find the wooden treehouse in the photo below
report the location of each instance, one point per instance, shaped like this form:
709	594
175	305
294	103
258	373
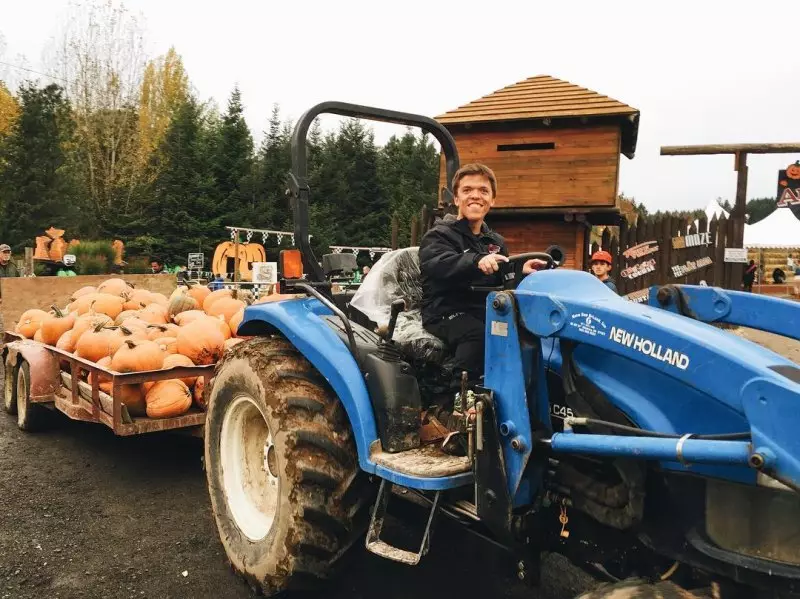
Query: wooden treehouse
555	148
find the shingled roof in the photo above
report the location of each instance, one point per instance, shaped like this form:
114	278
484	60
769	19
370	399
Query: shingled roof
545	97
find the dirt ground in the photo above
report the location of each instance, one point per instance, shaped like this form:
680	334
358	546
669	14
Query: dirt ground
781	345
86	514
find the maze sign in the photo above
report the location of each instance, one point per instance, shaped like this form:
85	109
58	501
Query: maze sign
789	186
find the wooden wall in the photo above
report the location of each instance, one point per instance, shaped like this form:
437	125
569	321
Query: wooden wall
581	170
537	235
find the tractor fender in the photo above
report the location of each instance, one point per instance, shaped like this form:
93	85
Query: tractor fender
299	320
44	368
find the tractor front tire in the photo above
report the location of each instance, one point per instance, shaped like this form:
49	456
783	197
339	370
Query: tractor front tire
286	490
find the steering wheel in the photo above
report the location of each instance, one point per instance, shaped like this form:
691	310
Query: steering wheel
551	263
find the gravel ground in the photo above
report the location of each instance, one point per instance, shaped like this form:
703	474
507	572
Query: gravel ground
86	514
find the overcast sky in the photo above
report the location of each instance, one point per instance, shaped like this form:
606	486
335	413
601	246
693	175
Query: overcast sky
700	72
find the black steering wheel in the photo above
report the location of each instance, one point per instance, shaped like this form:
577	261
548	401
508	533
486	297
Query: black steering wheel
544	256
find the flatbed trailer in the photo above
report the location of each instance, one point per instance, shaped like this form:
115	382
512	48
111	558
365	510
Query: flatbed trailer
39	376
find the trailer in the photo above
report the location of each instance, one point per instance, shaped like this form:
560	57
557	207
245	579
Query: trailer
39	377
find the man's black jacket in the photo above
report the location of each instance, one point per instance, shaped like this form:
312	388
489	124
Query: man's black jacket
448	257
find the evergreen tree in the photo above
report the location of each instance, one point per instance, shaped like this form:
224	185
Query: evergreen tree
233	164
38	185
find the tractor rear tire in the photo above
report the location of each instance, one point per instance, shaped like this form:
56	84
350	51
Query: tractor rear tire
637	589
286	490
10	388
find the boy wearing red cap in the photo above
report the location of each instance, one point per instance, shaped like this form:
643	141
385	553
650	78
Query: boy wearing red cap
601	266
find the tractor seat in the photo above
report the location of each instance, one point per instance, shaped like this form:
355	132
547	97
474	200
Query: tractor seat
397	276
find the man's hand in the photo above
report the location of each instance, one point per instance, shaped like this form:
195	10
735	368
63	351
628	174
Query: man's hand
533	265
490	263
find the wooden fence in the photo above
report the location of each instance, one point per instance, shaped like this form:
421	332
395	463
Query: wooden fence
671	250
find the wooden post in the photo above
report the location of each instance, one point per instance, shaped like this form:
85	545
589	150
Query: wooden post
236	258
28	262
414	231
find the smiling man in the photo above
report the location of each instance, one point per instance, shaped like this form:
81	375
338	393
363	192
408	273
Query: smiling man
458	253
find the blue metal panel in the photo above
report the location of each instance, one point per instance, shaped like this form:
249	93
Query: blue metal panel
505	375
644	448
712	304
299	321
662	354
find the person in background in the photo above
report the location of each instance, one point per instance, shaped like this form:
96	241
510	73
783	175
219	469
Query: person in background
182	275
749	276
601	266
156	266
7	267
216	283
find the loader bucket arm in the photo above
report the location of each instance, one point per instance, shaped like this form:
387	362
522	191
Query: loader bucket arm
715	305
298	179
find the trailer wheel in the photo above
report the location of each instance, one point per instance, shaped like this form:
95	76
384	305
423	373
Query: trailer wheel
29	415
10	388
628	589
286	490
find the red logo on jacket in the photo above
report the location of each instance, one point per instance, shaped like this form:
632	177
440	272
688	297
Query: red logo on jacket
493	249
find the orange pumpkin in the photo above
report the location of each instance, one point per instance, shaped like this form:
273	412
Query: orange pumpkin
137	356
201	342
37	336
154	314
180	360
133	396
198	292
185	318
83	291
156	331
197	392
96	344
793	171
66	343
218	323
125	315
103	380
141	296
88	321
134	323
30	322
159	298
167	399
169	345
102	303
55	325
132	305
116	287
212	297
235	321
226	307
181	302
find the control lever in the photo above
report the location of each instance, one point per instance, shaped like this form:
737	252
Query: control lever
398	306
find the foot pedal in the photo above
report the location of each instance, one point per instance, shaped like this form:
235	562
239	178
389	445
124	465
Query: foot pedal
382	548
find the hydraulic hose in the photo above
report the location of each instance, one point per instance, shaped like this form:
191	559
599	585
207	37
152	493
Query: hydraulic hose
645	433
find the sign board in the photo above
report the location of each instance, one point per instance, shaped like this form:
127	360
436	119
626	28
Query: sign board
641	250
195	261
736	255
789	185
265	273
690	241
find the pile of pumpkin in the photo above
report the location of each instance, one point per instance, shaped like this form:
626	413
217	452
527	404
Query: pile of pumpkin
123	329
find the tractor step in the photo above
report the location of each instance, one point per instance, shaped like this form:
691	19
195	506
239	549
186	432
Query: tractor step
428	461
382	548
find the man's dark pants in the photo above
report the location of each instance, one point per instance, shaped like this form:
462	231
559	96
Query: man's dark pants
464	335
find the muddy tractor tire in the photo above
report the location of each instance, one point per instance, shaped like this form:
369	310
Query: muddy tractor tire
637	589
30	416
286	490
10	388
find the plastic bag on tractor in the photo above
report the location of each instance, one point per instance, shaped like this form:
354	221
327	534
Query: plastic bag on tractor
396	275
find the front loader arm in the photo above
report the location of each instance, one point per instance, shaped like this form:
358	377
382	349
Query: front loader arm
715	305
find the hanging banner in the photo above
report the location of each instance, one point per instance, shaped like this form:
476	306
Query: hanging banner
736	255
789	185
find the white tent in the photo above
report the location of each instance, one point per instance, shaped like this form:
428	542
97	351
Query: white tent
780	229
714	209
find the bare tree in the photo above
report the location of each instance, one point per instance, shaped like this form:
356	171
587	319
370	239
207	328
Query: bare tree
99	53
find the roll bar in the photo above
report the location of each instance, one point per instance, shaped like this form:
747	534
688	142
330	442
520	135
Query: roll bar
298	178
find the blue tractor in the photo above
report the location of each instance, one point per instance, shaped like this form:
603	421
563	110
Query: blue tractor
643	442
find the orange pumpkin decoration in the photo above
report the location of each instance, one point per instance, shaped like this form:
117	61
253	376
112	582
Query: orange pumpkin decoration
197	392
793	171
235	321
55	325
181	302
248	253
116	287
137	356
201	342
96	344
185	318
212	297
169	345
30	322
167	399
